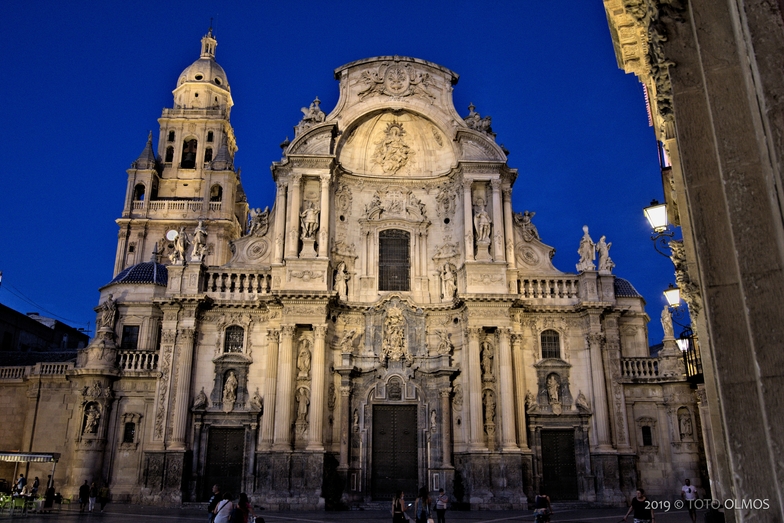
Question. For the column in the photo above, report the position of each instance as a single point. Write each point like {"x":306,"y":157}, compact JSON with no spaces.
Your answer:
{"x":446,"y":427}
{"x":284,"y":398}
{"x":317,"y":370}
{"x":183,"y":394}
{"x":506,"y":391}
{"x":520,"y":390}
{"x":477,"y":433}
{"x":324,"y":220}
{"x":498,"y":230}
{"x":345,"y":404}
{"x":292,"y":227}
{"x":280,"y":221}
{"x":270,"y":382}
{"x":600,"y":415}
{"x":468,"y":215}
{"x":511,"y":259}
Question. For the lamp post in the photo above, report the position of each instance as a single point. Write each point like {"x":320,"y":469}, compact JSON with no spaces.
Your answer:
{"x":656,"y":213}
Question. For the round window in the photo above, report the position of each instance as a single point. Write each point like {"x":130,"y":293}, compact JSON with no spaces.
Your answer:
{"x":217,"y":81}
{"x":199,"y":77}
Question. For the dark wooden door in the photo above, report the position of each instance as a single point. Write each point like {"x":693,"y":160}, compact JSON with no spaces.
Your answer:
{"x":394,"y":451}
{"x":225,"y":456}
{"x":559,"y":467}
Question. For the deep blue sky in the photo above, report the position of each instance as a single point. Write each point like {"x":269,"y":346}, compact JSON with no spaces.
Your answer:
{"x":85,"y":81}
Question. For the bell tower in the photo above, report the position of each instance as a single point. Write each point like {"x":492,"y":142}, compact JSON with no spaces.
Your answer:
{"x":192,"y":176}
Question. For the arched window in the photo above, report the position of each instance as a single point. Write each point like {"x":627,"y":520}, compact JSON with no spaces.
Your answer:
{"x":129,"y":434}
{"x":647,"y":436}
{"x":208,"y":154}
{"x":171,"y":136}
{"x":189,"y":154}
{"x":394,"y":260}
{"x":216,"y":193}
{"x":235,"y":336}
{"x":210,"y":136}
{"x":551,"y":344}
{"x":138,"y":192}
{"x":169,"y":154}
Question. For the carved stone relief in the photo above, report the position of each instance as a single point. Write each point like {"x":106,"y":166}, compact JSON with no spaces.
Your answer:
{"x":397,"y":81}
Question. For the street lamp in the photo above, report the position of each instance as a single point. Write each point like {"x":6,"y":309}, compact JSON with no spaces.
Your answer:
{"x":673,"y":296}
{"x":656,"y":213}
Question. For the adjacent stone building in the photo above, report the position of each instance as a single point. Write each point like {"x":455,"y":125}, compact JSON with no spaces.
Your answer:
{"x":390,"y":322}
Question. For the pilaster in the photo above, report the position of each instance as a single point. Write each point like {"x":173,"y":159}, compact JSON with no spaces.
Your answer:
{"x":284,"y":397}
{"x":318,"y":371}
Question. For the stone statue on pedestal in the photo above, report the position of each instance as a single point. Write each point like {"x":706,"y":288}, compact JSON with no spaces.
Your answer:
{"x":587,"y":252}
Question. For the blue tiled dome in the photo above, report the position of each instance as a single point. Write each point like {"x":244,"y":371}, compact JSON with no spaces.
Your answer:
{"x":624,"y":289}
{"x":144,"y":273}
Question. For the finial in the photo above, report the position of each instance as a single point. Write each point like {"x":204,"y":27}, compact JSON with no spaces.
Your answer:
{"x":149,"y":137}
{"x":154,"y":256}
{"x":471,"y":107}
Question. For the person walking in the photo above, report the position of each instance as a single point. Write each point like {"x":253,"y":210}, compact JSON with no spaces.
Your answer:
{"x":689,"y":496}
{"x":399,"y":508}
{"x":103,"y":495}
{"x":84,"y":495}
{"x":36,"y":484}
{"x":214,"y":500}
{"x":93,"y":496}
{"x":441,"y":503}
{"x":244,"y":508}
{"x":224,"y":508}
{"x":422,"y":506}
{"x":642,"y":511}
{"x":49,"y":496}
{"x":20,"y":483}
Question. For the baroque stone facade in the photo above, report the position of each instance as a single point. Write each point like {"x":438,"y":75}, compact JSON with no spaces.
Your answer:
{"x":388,"y":323}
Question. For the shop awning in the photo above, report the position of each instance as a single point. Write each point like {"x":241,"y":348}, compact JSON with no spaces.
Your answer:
{"x":31,"y":457}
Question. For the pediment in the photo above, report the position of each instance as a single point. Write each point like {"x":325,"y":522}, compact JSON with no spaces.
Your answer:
{"x":251,"y":251}
{"x":476,"y":146}
{"x":531,"y":255}
{"x":316,"y":141}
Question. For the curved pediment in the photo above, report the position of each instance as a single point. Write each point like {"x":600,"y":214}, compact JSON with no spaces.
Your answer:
{"x":477,"y":146}
{"x":396,"y":143}
{"x":316,"y":141}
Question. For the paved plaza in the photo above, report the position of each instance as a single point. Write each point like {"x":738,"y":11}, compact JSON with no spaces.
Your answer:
{"x":116,"y":513}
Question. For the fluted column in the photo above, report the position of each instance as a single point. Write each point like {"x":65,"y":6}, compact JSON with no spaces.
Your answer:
{"x":600,"y":414}
{"x":345,"y":392}
{"x":498,"y":229}
{"x":280,"y":221}
{"x":270,"y":384}
{"x":292,"y":227}
{"x":323,"y":251}
{"x":506,"y":391}
{"x":520,"y":390}
{"x":183,"y":394}
{"x":318,"y":370}
{"x":284,"y":398}
{"x":446,"y":426}
{"x":468,"y":216}
{"x":509,"y":229}
{"x":477,"y":438}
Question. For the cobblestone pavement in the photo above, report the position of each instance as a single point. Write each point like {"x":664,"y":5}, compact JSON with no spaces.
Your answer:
{"x":116,"y":513}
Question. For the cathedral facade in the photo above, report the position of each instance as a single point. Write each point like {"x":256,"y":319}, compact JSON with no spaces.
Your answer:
{"x":389,"y":323}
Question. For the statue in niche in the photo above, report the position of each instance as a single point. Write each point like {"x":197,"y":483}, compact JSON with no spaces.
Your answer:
{"x":355,"y":421}
{"x":489,"y":401}
{"x":487,"y":360}
{"x":684,"y":424}
{"x":582,"y":403}
{"x":108,"y":311}
{"x":433,"y":424}
{"x":200,"y":402}
{"x":482,"y":223}
{"x":303,"y":360}
{"x":394,"y":346}
{"x":346,"y":342}
{"x":257,"y":402}
{"x":230,"y":392}
{"x":457,"y":400}
{"x":341,"y":281}
{"x":392,"y":152}
{"x":530,"y":401}
{"x":394,"y":390}
{"x":181,"y":244}
{"x":303,"y":400}
{"x":587,"y":252}
{"x":259,"y":222}
{"x":529,"y":229}
{"x":553,"y":389}
{"x":448,"y":281}
{"x":603,"y":248}
{"x":331,"y":397}
{"x":199,"y":242}
{"x":310,"y":221}
{"x":666,"y":321}
{"x":91,"y":417}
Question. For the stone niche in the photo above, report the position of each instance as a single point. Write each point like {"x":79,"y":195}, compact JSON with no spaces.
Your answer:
{"x":224,"y":366}
{"x":554,"y":395}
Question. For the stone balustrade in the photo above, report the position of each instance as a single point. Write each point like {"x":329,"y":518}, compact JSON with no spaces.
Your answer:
{"x":137,"y":360}
{"x":640,"y":368}
{"x":238,"y":282}
{"x":143,"y":207}
{"x":547,"y":288}
{"x":12,"y":373}
{"x":39,"y":369}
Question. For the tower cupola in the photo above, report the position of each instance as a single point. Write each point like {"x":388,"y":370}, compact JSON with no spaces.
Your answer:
{"x":203,"y":84}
